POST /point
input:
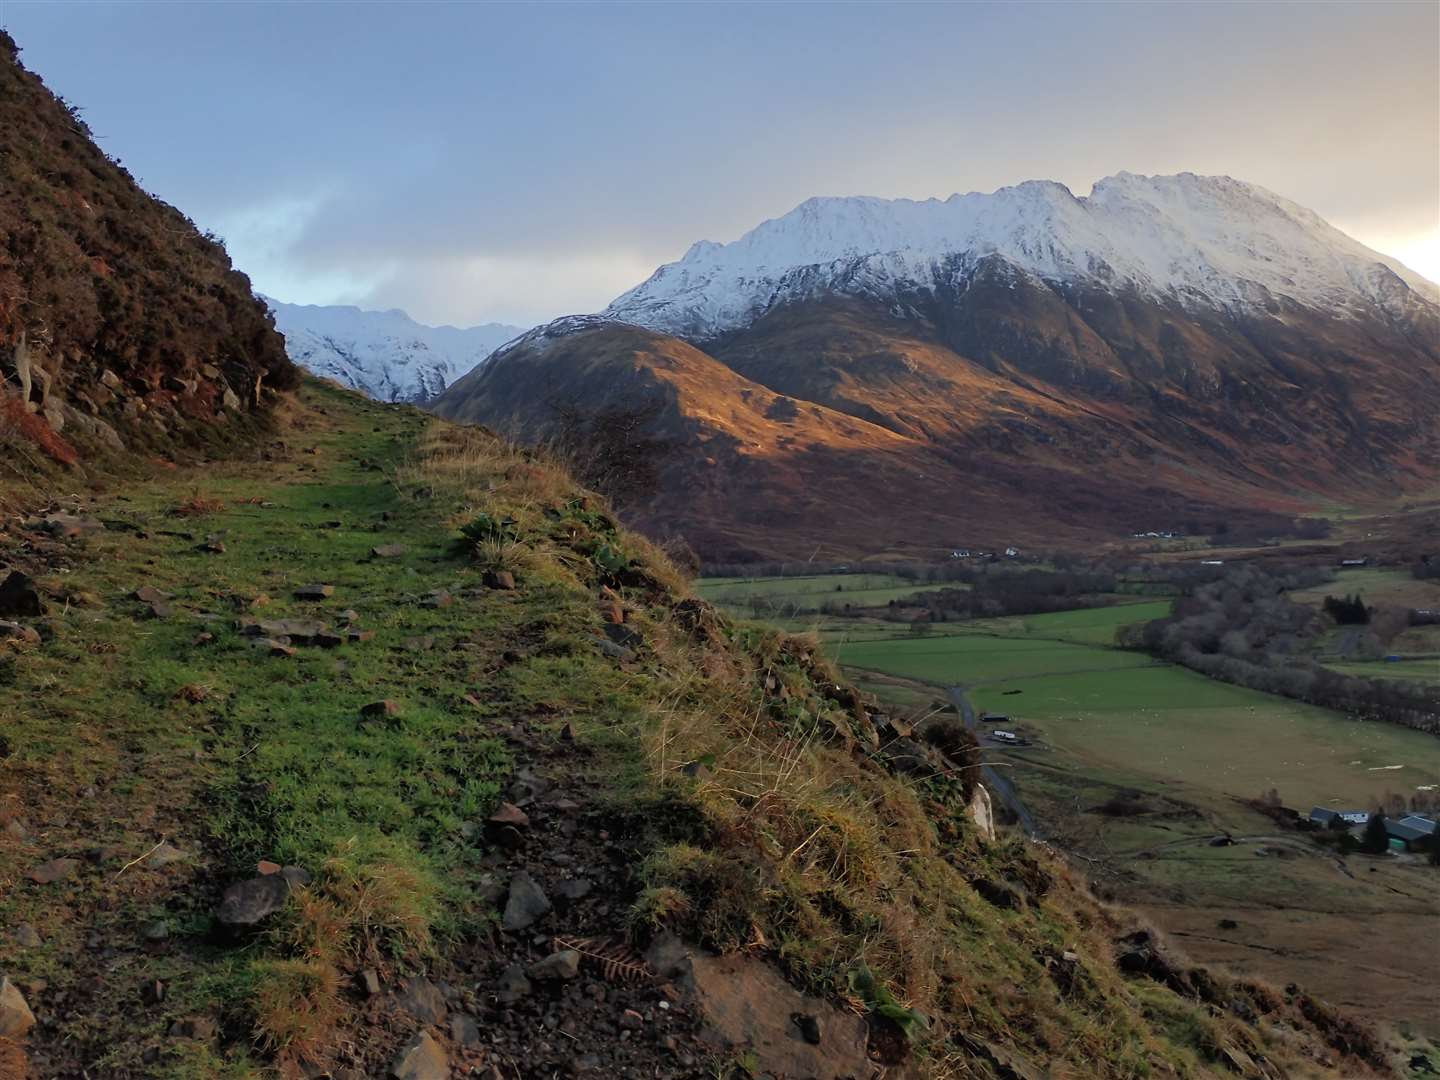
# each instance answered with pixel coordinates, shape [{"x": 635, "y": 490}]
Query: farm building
[
  {"x": 1405, "y": 837},
  {"x": 1335, "y": 819}
]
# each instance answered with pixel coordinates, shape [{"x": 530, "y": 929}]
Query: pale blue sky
[{"x": 477, "y": 162}]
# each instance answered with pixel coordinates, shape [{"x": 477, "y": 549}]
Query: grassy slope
[
  {"x": 122, "y": 731},
  {"x": 1195, "y": 748}
]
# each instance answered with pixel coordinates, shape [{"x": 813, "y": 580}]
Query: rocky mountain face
[
  {"x": 1028, "y": 366},
  {"x": 122, "y": 326},
  {"x": 384, "y": 354}
]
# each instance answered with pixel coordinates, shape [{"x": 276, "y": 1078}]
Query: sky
[{"x": 512, "y": 162}]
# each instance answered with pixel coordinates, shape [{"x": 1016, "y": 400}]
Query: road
[{"x": 1002, "y": 788}]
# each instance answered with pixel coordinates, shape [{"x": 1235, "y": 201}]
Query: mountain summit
[
  {"x": 1197, "y": 241},
  {"x": 384, "y": 354},
  {"x": 1179, "y": 352}
]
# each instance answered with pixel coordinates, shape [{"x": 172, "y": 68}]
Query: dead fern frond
[{"x": 616, "y": 961}]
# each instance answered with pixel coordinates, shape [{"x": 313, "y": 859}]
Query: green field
[
  {"x": 1169, "y": 724},
  {"x": 1092, "y": 626},
  {"x": 810, "y": 591},
  {"x": 970, "y": 659}
]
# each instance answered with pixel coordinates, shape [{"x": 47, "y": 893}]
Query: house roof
[
  {"x": 1424, "y": 824},
  {"x": 1400, "y": 831}
]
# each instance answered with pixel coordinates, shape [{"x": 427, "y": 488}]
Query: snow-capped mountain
[
  {"x": 1200, "y": 241},
  {"x": 385, "y": 354},
  {"x": 874, "y": 374}
]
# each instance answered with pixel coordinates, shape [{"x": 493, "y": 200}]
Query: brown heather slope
[
  {"x": 1015, "y": 413},
  {"x": 123, "y": 329}
]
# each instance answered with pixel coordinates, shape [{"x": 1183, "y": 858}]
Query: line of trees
[{"x": 1243, "y": 630}]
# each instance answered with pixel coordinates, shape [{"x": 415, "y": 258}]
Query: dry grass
[
  {"x": 297, "y": 1006},
  {"x": 197, "y": 505},
  {"x": 353, "y": 915}
]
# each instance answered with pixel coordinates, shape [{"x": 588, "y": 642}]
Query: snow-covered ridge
[
  {"x": 385, "y": 354},
  {"x": 1200, "y": 241}
]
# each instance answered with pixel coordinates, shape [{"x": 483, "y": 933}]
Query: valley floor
[{"x": 1136, "y": 766}]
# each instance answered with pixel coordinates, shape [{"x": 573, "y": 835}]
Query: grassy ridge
[{"x": 739, "y": 775}]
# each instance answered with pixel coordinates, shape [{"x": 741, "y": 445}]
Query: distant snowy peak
[
  {"x": 384, "y": 354},
  {"x": 1195, "y": 240}
]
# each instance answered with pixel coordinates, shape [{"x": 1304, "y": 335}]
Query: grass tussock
[{"x": 354, "y": 915}]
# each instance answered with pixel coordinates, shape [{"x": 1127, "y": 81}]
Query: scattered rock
[
  {"x": 464, "y": 1031},
  {"x": 19, "y": 597},
  {"x": 359, "y": 635},
  {"x": 70, "y": 526},
  {"x": 624, "y": 636},
  {"x": 159, "y": 610},
  {"x": 265, "y": 866},
  {"x": 526, "y": 904},
  {"x": 499, "y": 579},
  {"x": 55, "y": 870},
  {"x": 148, "y": 594},
  {"x": 631, "y": 1020},
  {"x": 745, "y": 1003},
  {"x": 388, "y": 551},
  {"x": 152, "y": 992},
  {"x": 327, "y": 639},
  {"x": 275, "y": 646},
  {"x": 369, "y": 980},
  {"x": 314, "y": 592},
  {"x": 15, "y": 1015},
  {"x": 510, "y": 814},
  {"x": 380, "y": 710},
  {"x": 423, "y": 1000},
  {"x": 213, "y": 547},
  {"x": 422, "y": 643},
  {"x": 26, "y": 937},
  {"x": 248, "y": 902},
  {"x": 613, "y": 651},
  {"x": 300, "y": 631},
  {"x": 574, "y": 888},
  {"x": 421, "y": 1059},
  {"x": 809, "y": 1027},
  {"x": 437, "y": 599},
  {"x": 155, "y": 933},
  {"x": 513, "y": 985},
  {"x": 562, "y": 965},
  {"x": 203, "y": 638}
]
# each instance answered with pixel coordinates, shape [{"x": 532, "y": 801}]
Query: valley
[{"x": 1163, "y": 783}]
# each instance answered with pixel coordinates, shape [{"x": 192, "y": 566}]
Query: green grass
[
  {"x": 809, "y": 592},
  {"x": 972, "y": 659},
  {"x": 1093, "y": 626},
  {"x": 1171, "y": 724}
]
